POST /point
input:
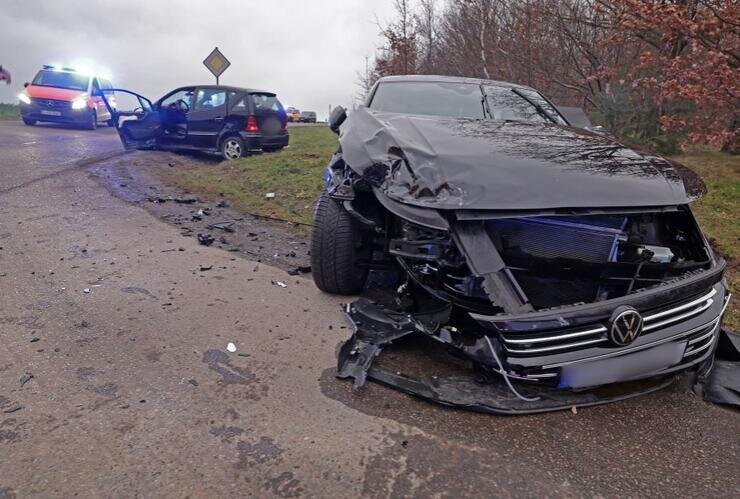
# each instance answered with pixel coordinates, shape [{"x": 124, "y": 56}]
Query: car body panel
[{"x": 451, "y": 164}]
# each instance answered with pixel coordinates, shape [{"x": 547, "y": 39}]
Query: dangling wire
[{"x": 506, "y": 377}]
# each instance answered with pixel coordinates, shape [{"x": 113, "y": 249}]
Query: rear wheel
[
  {"x": 92, "y": 121},
  {"x": 28, "y": 121},
  {"x": 232, "y": 148},
  {"x": 336, "y": 243}
]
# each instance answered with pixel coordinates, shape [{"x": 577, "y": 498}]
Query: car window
[
  {"x": 210, "y": 99},
  {"x": 61, "y": 79},
  {"x": 506, "y": 103},
  {"x": 265, "y": 103},
  {"x": 458, "y": 100},
  {"x": 185, "y": 95}
]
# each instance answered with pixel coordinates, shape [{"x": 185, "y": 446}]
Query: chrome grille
[
  {"x": 50, "y": 103},
  {"x": 518, "y": 344}
]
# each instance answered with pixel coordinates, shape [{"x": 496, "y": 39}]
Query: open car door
[{"x": 137, "y": 121}]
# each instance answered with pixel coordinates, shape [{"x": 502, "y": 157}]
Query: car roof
[
  {"x": 450, "y": 79},
  {"x": 228, "y": 88}
]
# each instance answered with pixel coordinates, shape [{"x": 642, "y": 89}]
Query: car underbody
[{"x": 530, "y": 301}]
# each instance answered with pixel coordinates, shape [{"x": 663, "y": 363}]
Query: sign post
[{"x": 216, "y": 63}]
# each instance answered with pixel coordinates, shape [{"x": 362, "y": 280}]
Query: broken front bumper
[{"x": 552, "y": 367}]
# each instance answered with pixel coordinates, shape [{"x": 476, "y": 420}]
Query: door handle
[{"x": 218, "y": 118}]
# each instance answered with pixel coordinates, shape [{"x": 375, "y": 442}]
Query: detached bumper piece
[
  {"x": 420, "y": 365},
  {"x": 721, "y": 384}
]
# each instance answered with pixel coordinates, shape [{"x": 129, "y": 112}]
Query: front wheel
[
  {"x": 336, "y": 244},
  {"x": 232, "y": 148},
  {"x": 92, "y": 121},
  {"x": 28, "y": 121}
]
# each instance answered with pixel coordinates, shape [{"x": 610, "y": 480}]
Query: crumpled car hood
[{"x": 449, "y": 163}]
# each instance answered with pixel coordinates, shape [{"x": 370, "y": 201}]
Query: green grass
[
  {"x": 294, "y": 175},
  {"x": 9, "y": 112}
]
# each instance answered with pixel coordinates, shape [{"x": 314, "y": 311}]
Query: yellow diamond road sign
[{"x": 216, "y": 62}]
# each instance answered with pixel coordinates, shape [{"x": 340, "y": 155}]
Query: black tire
[
  {"x": 92, "y": 121},
  {"x": 28, "y": 121},
  {"x": 335, "y": 245},
  {"x": 111, "y": 123},
  {"x": 232, "y": 148}
]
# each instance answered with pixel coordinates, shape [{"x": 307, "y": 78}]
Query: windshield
[
  {"x": 518, "y": 104},
  {"x": 457, "y": 100},
  {"x": 59, "y": 79}
]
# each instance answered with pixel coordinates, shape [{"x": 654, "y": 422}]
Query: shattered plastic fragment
[
  {"x": 279, "y": 283},
  {"x": 206, "y": 239},
  {"x": 270, "y": 195},
  {"x": 231, "y": 347}
]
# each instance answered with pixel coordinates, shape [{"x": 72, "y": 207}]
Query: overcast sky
[{"x": 307, "y": 51}]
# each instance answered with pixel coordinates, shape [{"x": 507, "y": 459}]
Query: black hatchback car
[{"x": 231, "y": 121}]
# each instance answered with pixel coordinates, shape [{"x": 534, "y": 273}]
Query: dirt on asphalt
[{"x": 135, "y": 178}]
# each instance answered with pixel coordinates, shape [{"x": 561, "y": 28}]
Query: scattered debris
[
  {"x": 222, "y": 204},
  {"x": 206, "y": 239},
  {"x": 185, "y": 200},
  {"x": 12, "y": 408},
  {"x": 231, "y": 347},
  {"x": 270, "y": 195},
  {"x": 86, "y": 290},
  {"x": 301, "y": 269},
  {"x": 204, "y": 268},
  {"x": 35, "y": 339},
  {"x": 225, "y": 225},
  {"x": 279, "y": 283},
  {"x": 25, "y": 378}
]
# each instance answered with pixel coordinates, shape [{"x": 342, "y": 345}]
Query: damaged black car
[{"x": 547, "y": 257}]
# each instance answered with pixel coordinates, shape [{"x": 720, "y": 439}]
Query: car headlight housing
[
  {"x": 24, "y": 98},
  {"x": 80, "y": 102}
]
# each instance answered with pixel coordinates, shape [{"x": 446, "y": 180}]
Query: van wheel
[
  {"x": 336, "y": 243},
  {"x": 29, "y": 122},
  {"x": 92, "y": 122},
  {"x": 232, "y": 148}
]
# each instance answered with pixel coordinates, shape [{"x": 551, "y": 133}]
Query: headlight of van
[{"x": 80, "y": 102}]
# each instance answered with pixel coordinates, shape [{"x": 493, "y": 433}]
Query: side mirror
[
  {"x": 26, "y": 84},
  {"x": 336, "y": 118}
]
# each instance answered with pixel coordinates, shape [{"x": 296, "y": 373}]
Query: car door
[
  {"x": 136, "y": 120},
  {"x": 174, "y": 113},
  {"x": 207, "y": 118}
]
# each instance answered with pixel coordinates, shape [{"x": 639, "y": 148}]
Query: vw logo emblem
[{"x": 625, "y": 326}]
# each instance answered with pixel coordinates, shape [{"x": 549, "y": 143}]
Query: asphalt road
[{"x": 135, "y": 394}]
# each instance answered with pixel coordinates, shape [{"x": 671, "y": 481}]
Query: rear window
[
  {"x": 457, "y": 100},
  {"x": 59, "y": 79},
  {"x": 266, "y": 103}
]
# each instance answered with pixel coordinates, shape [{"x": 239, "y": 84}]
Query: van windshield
[{"x": 61, "y": 79}]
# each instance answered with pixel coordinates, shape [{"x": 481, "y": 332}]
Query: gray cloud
[{"x": 308, "y": 51}]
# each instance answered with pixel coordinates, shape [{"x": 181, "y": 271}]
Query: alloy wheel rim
[{"x": 232, "y": 150}]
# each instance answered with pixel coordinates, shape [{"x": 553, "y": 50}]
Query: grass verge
[
  {"x": 9, "y": 112},
  {"x": 294, "y": 175}
]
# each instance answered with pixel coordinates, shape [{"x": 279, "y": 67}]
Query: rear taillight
[{"x": 252, "y": 125}]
